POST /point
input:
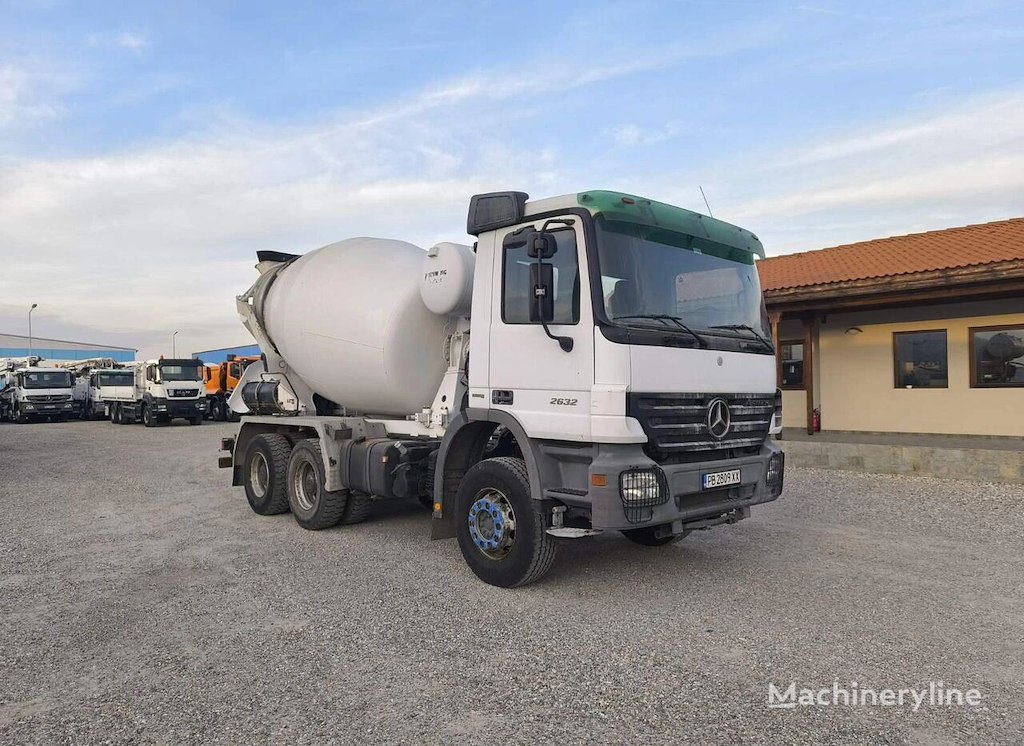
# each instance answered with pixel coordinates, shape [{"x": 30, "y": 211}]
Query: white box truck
[
  {"x": 594, "y": 362},
  {"x": 158, "y": 392}
]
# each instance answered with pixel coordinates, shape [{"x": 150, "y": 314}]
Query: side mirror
[
  {"x": 542, "y": 301},
  {"x": 541, "y": 246}
]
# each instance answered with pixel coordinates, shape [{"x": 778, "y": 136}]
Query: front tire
[
  {"x": 265, "y": 473},
  {"x": 313, "y": 507},
  {"x": 148, "y": 418},
  {"x": 500, "y": 532}
]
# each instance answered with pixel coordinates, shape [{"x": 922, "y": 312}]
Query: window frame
[
  {"x": 895, "y": 357},
  {"x": 579, "y": 277},
  {"x": 778, "y": 367},
  {"x": 975, "y": 384}
]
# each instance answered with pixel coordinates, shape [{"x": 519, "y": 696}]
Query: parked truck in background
[
  {"x": 31, "y": 393},
  {"x": 220, "y": 383},
  {"x": 159, "y": 391},
  {"x": 96, "y": 407},
  {"x": 594, "y": 362},
  {"x": 85, "y": 395}
]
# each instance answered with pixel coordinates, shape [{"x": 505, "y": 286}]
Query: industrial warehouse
[{"x": 60, "y": 350}]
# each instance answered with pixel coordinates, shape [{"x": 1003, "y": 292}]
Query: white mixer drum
[{"x": 349, "y": 320}]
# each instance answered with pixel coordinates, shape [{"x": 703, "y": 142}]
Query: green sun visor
[{"x": 628, "y": 208}]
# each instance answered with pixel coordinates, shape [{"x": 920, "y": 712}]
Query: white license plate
[{"x": 721, "y": 478}]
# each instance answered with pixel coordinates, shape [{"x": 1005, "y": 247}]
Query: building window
[
  {"x": 997, "y": 356},
  {"x": 791, "y": 365},
  {"x": 921, "y": 360}
]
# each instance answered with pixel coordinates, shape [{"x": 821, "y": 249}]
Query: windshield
[
  {"x": 58, "y": 379},
  {"x": 180, "y": 373},
  {"x": 125, "y": 378},
  {"x": 650, "y": 272}
]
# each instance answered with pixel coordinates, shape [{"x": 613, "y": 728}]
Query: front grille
[
  {"x": 677, "y": 429},
  {"x": 47, "y": 397},
  {"x": 182, "y": 393}
]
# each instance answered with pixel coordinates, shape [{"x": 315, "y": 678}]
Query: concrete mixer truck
[{"x": 594, "y": 362}]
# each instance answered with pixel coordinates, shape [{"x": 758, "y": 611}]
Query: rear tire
[
  {"x": 645, "y": 536},
  {"x": 217, "y": 410},
  {"x": 313, "y": 507},
  {"x": 265, "y": 473},
  {"x": 358, "y": 508},
  {"x": 500, "y": 532}
]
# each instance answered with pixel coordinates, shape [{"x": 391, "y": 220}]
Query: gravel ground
[{"x": 143, "y": 602}]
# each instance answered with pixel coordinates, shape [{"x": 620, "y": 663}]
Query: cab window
[{"x": 517, "y": 291}]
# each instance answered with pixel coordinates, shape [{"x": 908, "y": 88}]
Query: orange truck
[{"x": 221, "y": 381}]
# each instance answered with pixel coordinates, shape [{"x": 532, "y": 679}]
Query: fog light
[
  {"x": 776, "y": 471},
  {"x": 641, "y": 490}
]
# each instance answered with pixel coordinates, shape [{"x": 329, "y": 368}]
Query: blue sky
[{"x": 148, "y": 149}]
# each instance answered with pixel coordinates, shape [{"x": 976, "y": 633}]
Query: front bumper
[
  {"x": 60, "y": 407},
  {"x": 187, "y": 408},
  {"x": 683, "y": 502}
]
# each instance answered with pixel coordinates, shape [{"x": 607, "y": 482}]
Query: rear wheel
[
  {"x": 357, "y": 509},
  {"x": 265, "y": 473},
  {"x": 313, "y": 507},
  {"x": 646, "y": 536},
  {"x": 500, "y": 532},
  {"x": 217, "y": 410}
]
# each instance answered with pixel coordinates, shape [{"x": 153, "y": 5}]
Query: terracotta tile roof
[{"x": 952, "y": 248}]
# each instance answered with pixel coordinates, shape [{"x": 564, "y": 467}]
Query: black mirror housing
[{"x": 541, "y": 246}]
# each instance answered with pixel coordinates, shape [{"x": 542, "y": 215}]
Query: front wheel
[
  {"x": 148, "y": 417},
  {"x": 500, "y": 531}
]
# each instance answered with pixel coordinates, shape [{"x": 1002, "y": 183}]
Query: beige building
[{"x": 911, "y": 334}]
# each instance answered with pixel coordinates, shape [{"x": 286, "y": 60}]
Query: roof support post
[{"x": 809, "y": 323}]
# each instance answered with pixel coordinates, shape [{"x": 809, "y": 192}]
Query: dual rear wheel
[{"x": 279, "y": 477}]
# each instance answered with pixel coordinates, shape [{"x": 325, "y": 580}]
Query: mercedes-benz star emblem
[{"x": 719, "y": 418}]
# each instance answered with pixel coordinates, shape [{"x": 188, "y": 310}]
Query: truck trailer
[
  {"x": 593, "y": 362},
  {"x": 158, "y": 392}
]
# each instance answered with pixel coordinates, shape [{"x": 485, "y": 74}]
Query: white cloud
[
  {"x": 960, "y": 161},
  {"x": 631, "y": 135},
  {"x": 131, "y": 40},
  {"x": 27, "y": 96},
  {"x": 134, "y": 41}
]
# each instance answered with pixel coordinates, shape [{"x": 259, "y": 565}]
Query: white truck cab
[
  {"x": 104, "y": 383},
  {"x": 160, "y": 390},
  {"x": 607, "y": 367},
  {"x": 33, "y": 393}
]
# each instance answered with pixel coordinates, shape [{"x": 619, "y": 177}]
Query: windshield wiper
[
  {"x": 746, "y": 327},
  {"x": 665, "y": 317}
]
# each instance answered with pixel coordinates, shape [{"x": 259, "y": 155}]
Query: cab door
[{"x": 545, "y": 388}]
